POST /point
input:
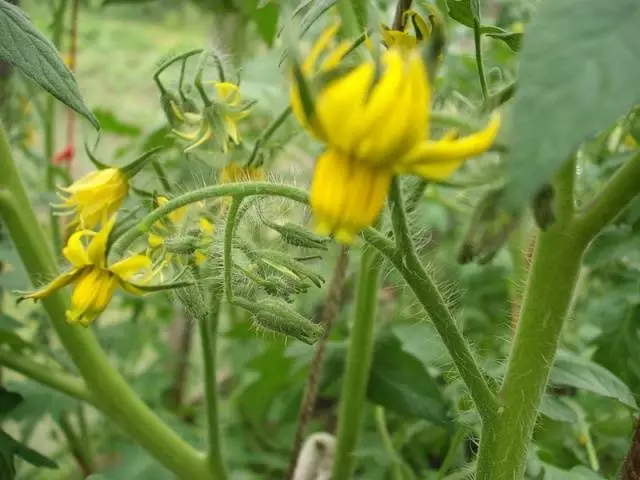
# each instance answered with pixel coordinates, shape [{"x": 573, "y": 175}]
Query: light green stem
[
  {"x": 209, "y": 339},
  {"x": 546, "y": 302},
  {"x": 477, "y": 41},
  {"x": 399, "y": 470},
  {"x": 406, "y": 260},
  {"x": 550, "y": 289},
  {"x": 117, "y": 399},
  {"x": 236, "y": 190},
  {"x": 58, "y": 380},
  {"x": 359, "y": 356}
]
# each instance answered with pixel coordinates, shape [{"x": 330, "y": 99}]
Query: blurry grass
[{"x": 119, "y": 48}]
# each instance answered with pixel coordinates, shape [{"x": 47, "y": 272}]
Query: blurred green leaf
[
  {"x": 112, "y": 124},
  {"x": 576, "y": 473},
  {"x": 556, "y": 409},
  {"x": 573, "y": 371},
  {"x": 463, "y": 11},
  {"x": 23, "y": 46},
  {"x": 265, "y": 16},
  {"x": 512, "y": 39},
  {"x": 401, "y": 383},
  {"x": 579, "y": 72},
  {"x": 8, "y": 323},
  {"x": 8, "y": 401}
]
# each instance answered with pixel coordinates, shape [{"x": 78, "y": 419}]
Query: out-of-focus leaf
[
  {"x": 576, "y": 473},
  {"x": 512, "y": 39},
  {"x": 265, "y": 16},
  {"x": 579, "y": 71},
  {"x": 136, "y": 463},
  {"x": 463, "y": 11},
  {"x": 573, "y": 371},
  {"x": 401, "y": 383},
  {"x": 556, "y": 409},
  {"x": 112, "y": 124},
  {"x": 8, "y": 401},
  {"x": 8, "y": 323},
  {"x": 23, "y": 46}
]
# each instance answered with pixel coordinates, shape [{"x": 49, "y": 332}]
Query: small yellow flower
[
  {"x": 375, "y": 125},
  {"x": 96, "y": 196},
  {"x": 227, "y": 109},
  {"x": 94, "y": 282},
  {"x": 403, "y": 39}
]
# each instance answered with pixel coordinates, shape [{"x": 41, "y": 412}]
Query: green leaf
[
  {"x": 265, "y": 17},
  {"x": 463, "y": 11},
  {"x": 571, "y": 370},
  {"x": 112, "y": 124},
  {"x": 556, "y": 409},
  {"x": 400, "y": 382},
  {"x": 579, "y": 71},
  {"x": 512, "y": 39},
  {"x": 8, "y": 323},
  {"x": 23, "y": 46},
  {"x": 9, "y": 446},
  {"x": 8, "y": 401}
]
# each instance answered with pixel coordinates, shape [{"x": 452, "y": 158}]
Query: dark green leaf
[
  {"x": 23, "y": 46},
  {"x": 463, "y": 11},
  {"x": 8, "y": 401},
  {"x": 512, "y": 39},
  {"x": 577, "y": 372},
  {"x": 401, "y": 383},
  {"x": 112, "y": 124},
  {"x": 579, "y": 71},
  {"x": 10, "y": 446},
  {"x": 265, "y": 17}
]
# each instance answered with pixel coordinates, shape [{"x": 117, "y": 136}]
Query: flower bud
[
  {"x": 488, "y": 230},
  {"x": 276, "y": 316}
]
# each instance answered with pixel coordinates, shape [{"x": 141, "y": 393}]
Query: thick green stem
[
  {"x": 208, "y": 326},
  {"x": 114, "y": 395},
  {"x": 58, "y": 380},
  {"x": 405, "y": 259},
  {"x": 621, "y": 188},
  {"x": 546, "y": 303},
  {"x": 359, "y": 355}
]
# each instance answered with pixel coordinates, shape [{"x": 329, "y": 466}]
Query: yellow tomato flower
[
  {"x": 404, "y": 39},
  {"x": 94, "y": 282},
  {"x": 375, "y": 125},
  {"x": 227, "y": 108},
  {"x": 95, "y": 196}
]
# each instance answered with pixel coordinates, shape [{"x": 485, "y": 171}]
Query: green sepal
[{"x": 138, "y": 164}]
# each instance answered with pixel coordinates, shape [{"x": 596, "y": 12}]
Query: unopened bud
[
  {"x": 281, "y": 261},
  {"x": 488, "y": 230},
  {"x": 299, "y": 236},
  {"x": 182, "y": 245},
  {"x": 276, "y": 316}
]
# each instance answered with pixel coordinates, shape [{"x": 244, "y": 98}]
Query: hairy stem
[
  {"x": 209, "y": 339},
  {"x": 406, "y": 260},
  {"x": 545, "y": 305},
  {"x": 358, "y": 364},
  {"x": 116, "y": 398},
  {"x": 616, "y": 194}
]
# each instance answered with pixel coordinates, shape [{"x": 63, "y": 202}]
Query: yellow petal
[
  {"x": 200, "y": 258},
  {"x": 97, "y": 249},
  {"x": 232, "y": 129},
  {"x": 128, "y": 268},
  {"x": 155, "y": 240},
  {"x": 91, "y": 296},
  {"x": 206, "y": 226},
  {"x": 229, "y": 93},
  {"x": 325, "y": 38},
  {"x": 56, "y": 284},
  {"x": 75, "y": 251},
  {"x": 433, "y": 159},
  {"x": 205, "y": 136}
]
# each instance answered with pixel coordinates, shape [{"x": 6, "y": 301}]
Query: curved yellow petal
[
  {"x": 320, "y": 45},
  {"x": 129, "y": 267},
  {"x": 75, "y": 251},
  {"x": 97, "y": 249},
  {"x": 56, "y": 284},
  {"x": 91, "y": 296},
  {"x": 436, "y": 154}
]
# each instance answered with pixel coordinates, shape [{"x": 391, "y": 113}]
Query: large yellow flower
[
  {"x": 95, "y": 196},
  {"x": 375, "y": 125},
  {"x": 94, "y": 282}
]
